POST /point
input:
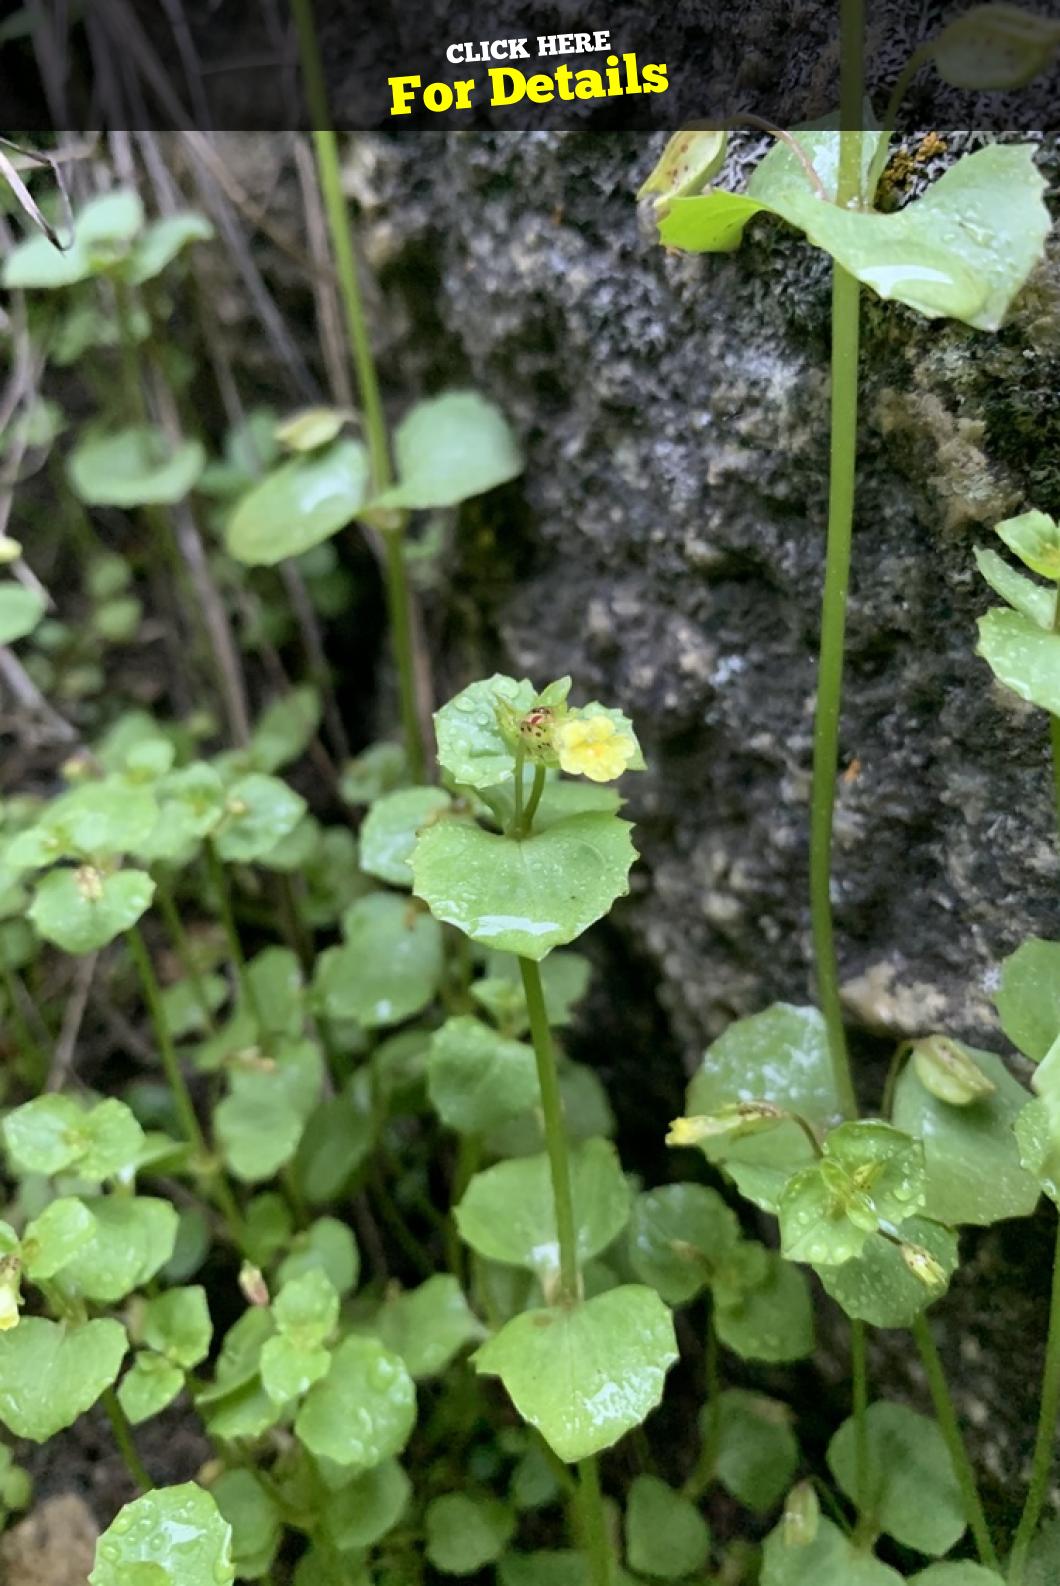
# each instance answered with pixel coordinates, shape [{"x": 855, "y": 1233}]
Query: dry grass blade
[{"x": 26, "y": 199}]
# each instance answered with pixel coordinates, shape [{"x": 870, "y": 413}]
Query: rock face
[{"x": 666, "y": 546}]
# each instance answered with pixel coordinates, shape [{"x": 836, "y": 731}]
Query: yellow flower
[
  {"x": 593, "y": 746},
  {"x": 10, "y": 1298}
]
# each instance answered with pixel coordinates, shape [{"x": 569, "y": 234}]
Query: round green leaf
[
  {"x": 757, "y": 1452},
  {"x": 176, "y": 1533},
  {"x": 878, "y": 1286},
  {"x": 161, "y": 242},
  {"x": 678, "y": 1237},
  {"x": 285, "y": 730},
  {"x": 260, "y": 811},
  {"x": 427, "y": 1326},
  {"x": 564, "y": 981},
  {"x": 102, "y": 231},
  {"x": 524, "y": 896},
  {"x": 133, "y": 1238},
  {"x": 53, "y": 1238},
  {"x": 336, "y": 1139},
  {"x": 666, "y": 1536},
  {"x": 329, "y": 1245},
  {"x": 389, "y": 967},
  {"x": 781, "y": 1056},
  {"x": 363, "y": 1410},
  {"x": 995, "y": 47},
  {"x": 390, "y": 828},
  {"x": 476, "y": 1078},
  {"x": 449, "y": 448},
  {"x": 561, "y": 1367},
  {"x": 261, "y": 1122},
  {"x": 150, "y": 1384},
  {"x": 134, "y": 467},
  {"x": 1028, "y": 998},
  {"x": 771, "y": 1320},
  {"x": 471, "y": 746},
  {"x": 112, "y": 1141},
  {"x": 177, "y": 1324},
  {"x": 256, "y": 1521},
  {"x": 814, "y": 1225},
  {"x": 885, "y": 1165},
  {"x": 974, "y": 1174},
  {"x": 299, "y": 504},
  {"x": 464, "y": 1534},
  {"x": 362, "y": 1511},
  {"x": 44, "y": 1135},
  {"x": 914, "y": 1494},
  {"x": 508, "y": 1212},
  {"x": 50, "y": 1373},
  {"x": 82, "y": 912},
  {"x": 1022, "y": 656},
  {"x": 20, "y": 611},
  {"x": 831, "y": 1559},
  {"x": 289, "y": 1369}
]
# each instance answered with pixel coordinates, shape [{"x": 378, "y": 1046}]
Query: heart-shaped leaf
[
  {"x": 388, "y": 834},
  {"x": 103, "y": 230},
  {"x": 427, "y": 1326},
  {"x": 133, "y": 1238},
  {"x": 82, "y": 910},
  {"x": 362, "y": 1511},
  {"x": 134, "y": 467},
  {"x": 526, "y": 895},
  {"x": 476, "y": 1078},
  {"x": 880, "y": 1287},
  {"x": 471, "y": 746},
  {"x": 1022, "y": 656},
  {"x": 299, "y": 504},
  {"x": 363, "y": 1410},
  {"x": 666, "y": 1536},
  {"x": 150, "y": 1384},
  {"x": 770, "y": 1320},
  {"x": 679, "y": 1237},
  {"x": 390, "y": 966},
  {"x": 259, "y": 811},
  {"x": 465, "y": 1533},
  {"x": 50, "y": 1373},
  {"x": 451, "y": 447},
  {"x": 561, "y": 1365},
  {"x": 757, "y": 1451},
  {"x": 1028, "y": 998},
  {"x": 914, "y": 1495}
]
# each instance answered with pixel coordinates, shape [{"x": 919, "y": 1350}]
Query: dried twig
[{"x": 74, "y": 1013}]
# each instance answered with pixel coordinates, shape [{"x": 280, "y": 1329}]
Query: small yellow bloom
[
  {"x": 10, "y": 1299},
  {"x": 593, "y": 746}
]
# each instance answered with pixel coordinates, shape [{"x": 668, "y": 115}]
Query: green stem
[
  {"x": 223, "y": 899},
  {"x": 183, "y": 948},
  {"x": 844, "y": 400},
  {"x": 703, "y": 1472},
  {"x": 533, "y": 801},
  {"x": 946, "y": 1416},
  {"x": 1048, "y": 1410},
  {"x": 123, "y": 1436},
  {"x": 593, "y": 1523},
  {"x": 555, "y": 1131},
  {"x": 399, "y": 611},
  {"x": 860, "y": 1396},
  {"x": 182, "y": 1101}
]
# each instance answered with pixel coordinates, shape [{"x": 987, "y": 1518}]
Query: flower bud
[
  {"x": 946, "y": 1069},
  {"x": 252, "y": 1283},
  {"x": 89, "y": 883},
  {"x": 686, "y": 165},
  {"x": 923, "y": 1266},
  {"x": 10, "y": 1294},
  {"x": 742, "y": 1117},
  {"x": 801, "y": 1515},
  {"x": 10, "y": 550}
]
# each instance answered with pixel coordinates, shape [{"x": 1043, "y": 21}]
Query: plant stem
[
  {"x": 27, "y": 1046},
  {"x": 593, "y": 1523},
  {"x": 189, "y": 1122},
  {"x": 946, "y": 1416},
  {"x": 1043, "y": 1443},
  {"x": 555, "y": 1131},
  {"x": 533, "y": 801},
  {"x": 860, "y": 1372},
  {"x": 703, "y": 1472},
  {"x": 123, "y": 1436},
  {"x": 183, "y": 948},
  {"x": 223, "y": 899},
  {"x": 846, "y": 303},
  {"x": 340, "y": 229}
]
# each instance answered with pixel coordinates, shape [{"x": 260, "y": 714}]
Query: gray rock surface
[{"x": 666, "y": 546}]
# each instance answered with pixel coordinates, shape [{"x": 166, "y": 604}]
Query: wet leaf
[
  {"x": 82, "y": 915},
  {"x": 914, "y": 1494},
  {"x": 255, "y": 1518},
  {"x": 1038, "y": 1142},
  {"x": 476, "y": 1078},
  {"x": 299, "y": 504},
  {"x": 666, "y": 1536},
  {"x": 329, "y": 1245},
  {"x": 449, "y": 448},
  {"x": 175, "y": 1532},
  {"x": 53, "y": 1238},
  {"x": 260, "y": 1122},
  {"x": 362, "y": 1511},
  {"x": 771, "y": 1320},
  {"x": 508, "y": 1213},
  {"x": 781, "y": 1056},
  {"x": 471, "y": 746},
  {"x": 427, "y": 1326},
  {"x": 260, "y": 810},
  {"x": 1022, "y": 656},
  {"x": 679, "y": 1236},
  {"x": 1031, "y": 599},
  {"x": 524, "y": 896},
  {"x": 757, "y": 1452},
  {"x": 133, "y": 1238},
  {"x": 20, "y": 611},
  {"x": 390, "y": 828},
  {"x": 50, "y": 1373},
  {"x": 1034, "y": 537},
  {"x": 134, "y": 467},
  {"x": 973, "y": 1168},
  {"x": 390, "y": 966},
  {"x": 177, "y": 1324},
  {"x": 585, "y": 1375},
  {"x": 466, "y": 1533},
  {"x": 363, "y": 1410},
  {"x": 963, "y": 250},
  {"x": 44, "y": 1135},
  {"x": 150, "y": 1384},
  {"x": 878, "y": 1287}
]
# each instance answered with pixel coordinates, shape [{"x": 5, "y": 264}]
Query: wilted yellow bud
[
  {"x": 10, "y": 1297},
  {"x": 923, "y": 1266},
  {"x": 593, "y": 746},
  {"x": 743, "y": 1117},
  {"x": 89, "y": 883},
  {"x": 948, "y": 1070},
  {"x": 252, "y": 1283}
]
